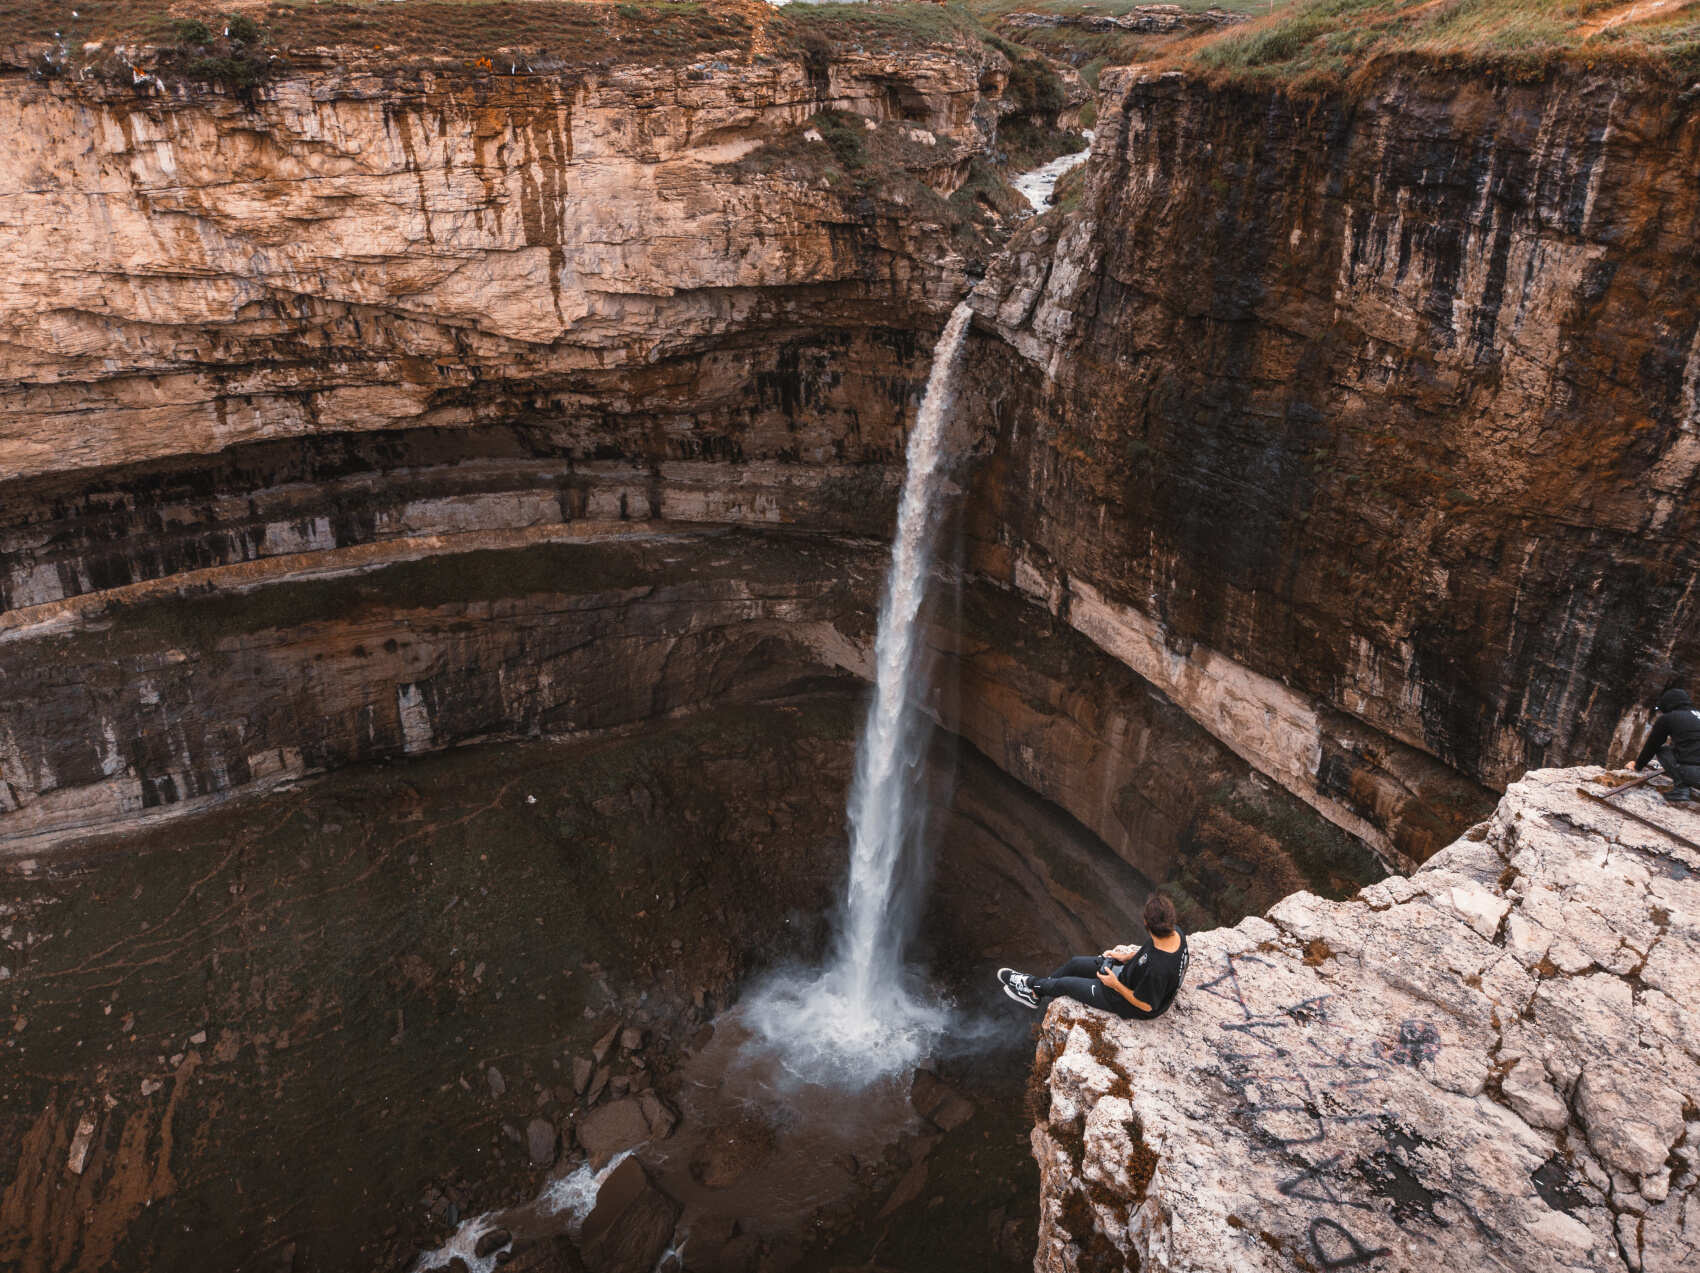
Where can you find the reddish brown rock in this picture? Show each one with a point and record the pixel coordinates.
(614, 1127)
(631, 1224)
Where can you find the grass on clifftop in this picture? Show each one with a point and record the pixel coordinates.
(494, 36)
(384, 33)
(1090, 51)
(1324, 42)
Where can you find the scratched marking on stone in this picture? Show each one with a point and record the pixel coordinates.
(1418, 1041)
(1291, 1066)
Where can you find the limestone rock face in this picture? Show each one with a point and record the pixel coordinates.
(1363, 425)
(1490, 1064)
(364, 306)
(352, 252)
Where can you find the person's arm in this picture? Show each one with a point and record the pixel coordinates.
(1115, 983)
(1121, 953)
(1655, 739)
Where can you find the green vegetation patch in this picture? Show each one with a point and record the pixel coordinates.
(880, 26)
(1088, 50)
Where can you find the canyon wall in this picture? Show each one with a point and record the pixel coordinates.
(360, 306)
(1363, 425)
(384, 412)
(167, 697)
(619, 251)
(364, 316)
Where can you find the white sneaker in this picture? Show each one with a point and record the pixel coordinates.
(1018, 986)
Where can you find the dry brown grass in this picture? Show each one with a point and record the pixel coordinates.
(1325, 43)
(499, 36)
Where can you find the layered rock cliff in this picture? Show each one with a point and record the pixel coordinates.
(388, 310)
(517, 350)
(359, 251)
(1363, 424)
(541, 290)
(1490, 1064)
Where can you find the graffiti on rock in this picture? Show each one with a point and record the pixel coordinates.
(1302, 1078)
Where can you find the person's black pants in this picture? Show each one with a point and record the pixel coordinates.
(1078, 979)
(1681, 775)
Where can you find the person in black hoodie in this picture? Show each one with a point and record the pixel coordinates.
(1675, 743)
(1127, 981)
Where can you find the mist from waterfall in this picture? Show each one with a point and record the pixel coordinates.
(861, 1016)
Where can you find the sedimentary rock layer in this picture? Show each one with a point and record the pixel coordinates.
(157, 698)
(1364, 424)
(1490, 1064)
(176, 700)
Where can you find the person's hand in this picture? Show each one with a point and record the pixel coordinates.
(1108, 978)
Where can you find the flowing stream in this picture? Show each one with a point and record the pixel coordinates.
(1038, 185)
(860, 1017)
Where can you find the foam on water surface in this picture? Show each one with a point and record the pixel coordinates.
(1037, 185)
(573, 1194)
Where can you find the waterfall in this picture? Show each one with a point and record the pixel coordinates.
(870, 948)
(858, 1018)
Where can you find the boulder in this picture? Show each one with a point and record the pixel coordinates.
(616, 1126)
(81, 1142)
(936, 1102)
(658, 1115)
(925, 1092)
(490, 1242)
(600, 1049)
(550, 1254)
(952, 1112)
(630, 1225)
(908, 1189)
(598, 1084)
(540, 1141)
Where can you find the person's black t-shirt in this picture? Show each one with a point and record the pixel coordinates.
(1154, 976)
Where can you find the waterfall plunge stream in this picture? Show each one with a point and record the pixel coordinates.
(860, 1018)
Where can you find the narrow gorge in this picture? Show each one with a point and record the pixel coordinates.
(449, 455)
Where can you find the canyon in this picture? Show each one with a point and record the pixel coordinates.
(405, 464)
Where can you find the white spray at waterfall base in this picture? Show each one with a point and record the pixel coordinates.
(861, 1017)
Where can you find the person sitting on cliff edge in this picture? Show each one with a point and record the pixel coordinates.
(1675, 742)
(1132, 982)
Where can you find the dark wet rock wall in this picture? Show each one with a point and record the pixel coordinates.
(1376, 409)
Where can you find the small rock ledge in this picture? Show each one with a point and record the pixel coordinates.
(1491, 1064)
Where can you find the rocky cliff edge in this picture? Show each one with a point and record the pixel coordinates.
(1491, 1064)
